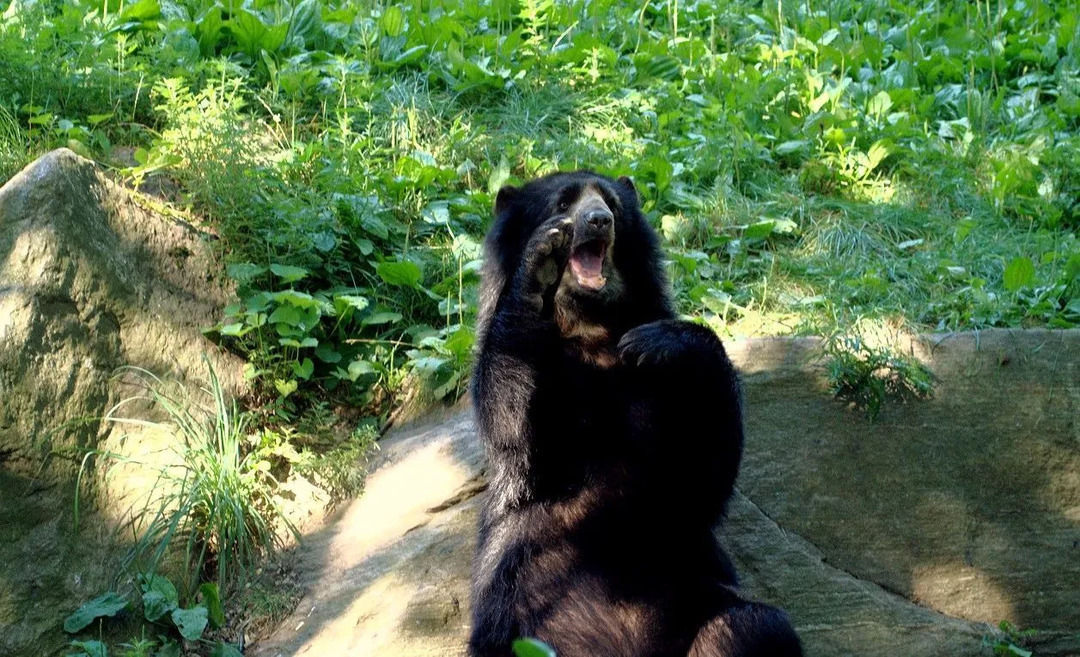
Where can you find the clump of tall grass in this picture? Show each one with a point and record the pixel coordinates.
(13, 145)
(213, 504)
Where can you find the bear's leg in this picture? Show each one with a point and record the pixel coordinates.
(498, 559)
(747, 629)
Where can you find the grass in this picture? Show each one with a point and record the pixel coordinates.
(215, 505)
(810, 165)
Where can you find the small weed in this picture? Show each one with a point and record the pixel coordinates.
(866, 376)
(1011, 644)
(341, 470)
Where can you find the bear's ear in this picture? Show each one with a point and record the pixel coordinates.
(628, 184)
(508, 194)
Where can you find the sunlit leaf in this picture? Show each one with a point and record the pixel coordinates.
(288, 273)
(402, 273)
(1019, 273)
(190, 622)
(106, 604)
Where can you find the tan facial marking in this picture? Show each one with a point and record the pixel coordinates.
(589, 196)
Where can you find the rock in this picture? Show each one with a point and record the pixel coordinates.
(89, 281)
(909, 535)
(968, 504)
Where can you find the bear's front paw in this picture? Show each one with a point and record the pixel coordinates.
(669, 341)
(545, 258)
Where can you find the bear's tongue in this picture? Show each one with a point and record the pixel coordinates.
(587, 263)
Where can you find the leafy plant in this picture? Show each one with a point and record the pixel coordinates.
(1010, 642)
(161, 606)
(866, 376)
(529, 647)
(216, 503)
(807, 166)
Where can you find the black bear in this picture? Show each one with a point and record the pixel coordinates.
(614, 433)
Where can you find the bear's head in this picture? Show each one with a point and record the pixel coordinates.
(612, 274)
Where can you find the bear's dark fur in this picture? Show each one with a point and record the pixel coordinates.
(614, 432)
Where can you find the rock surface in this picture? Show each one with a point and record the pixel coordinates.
(910, 535)
(89, 281)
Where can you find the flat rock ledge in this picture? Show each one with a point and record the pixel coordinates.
(914, 534)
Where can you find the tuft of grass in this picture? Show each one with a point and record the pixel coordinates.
(866, 376)
(14, 151)
(214, 505)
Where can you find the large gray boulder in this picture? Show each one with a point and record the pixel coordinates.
(90, 280)
(911, 535)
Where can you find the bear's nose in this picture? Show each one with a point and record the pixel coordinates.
(599, 218)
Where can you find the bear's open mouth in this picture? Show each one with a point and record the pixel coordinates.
(587, 263)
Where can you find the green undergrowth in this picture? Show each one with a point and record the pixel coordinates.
(809, 165)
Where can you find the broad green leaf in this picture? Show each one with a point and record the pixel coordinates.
(759, 231)
(381, 318)
(878, 152)
(159, 596)
(212, 599)
(531, 648)
(1072, 268)
(879, 104)
(428, 364)
(460, 342)
(304, 369)
(499, 175)
(358, 368)
(190, 622)
(828, 37)
(235, 330)
(327, 354)
(253, 35)
(1019, 273)
(143, 10)
(106, 604)
(346, 301)
(789, 147)
(288, 273)
(285, 388)
(242, 272)
(298, 299)
(392, 21)
(402, 273)
(208, 31)
(222, 649)
(155, 605)
(286, 314)
(89, 649)
(305, 21)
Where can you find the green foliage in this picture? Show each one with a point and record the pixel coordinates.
(866, 376)
(532, 648)
(161, 607)
(215, 503)
(107, 604)
(339, 469)
(1010, 642)
(807, 164)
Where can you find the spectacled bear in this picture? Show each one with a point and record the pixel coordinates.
(614, 434)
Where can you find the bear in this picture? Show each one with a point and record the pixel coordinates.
(614, 433)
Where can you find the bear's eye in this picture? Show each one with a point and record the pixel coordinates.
(564, 206)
